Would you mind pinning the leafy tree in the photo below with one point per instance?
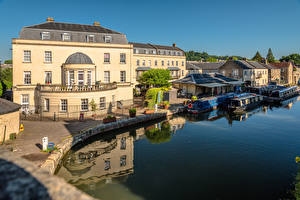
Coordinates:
(1, 89)
(203, 56)
(295, 58)
(8, 62)
(6, 77)
(152, 96)
(211, 60)
(257, 57)
(156, 78)
(270, 56)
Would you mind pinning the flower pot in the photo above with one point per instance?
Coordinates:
(109, 120)
(149, 112)
(132, 114)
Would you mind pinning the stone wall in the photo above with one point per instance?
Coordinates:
(21, 179)
(54, 159)
(9, 123)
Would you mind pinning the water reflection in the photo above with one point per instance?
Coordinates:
(104, 166)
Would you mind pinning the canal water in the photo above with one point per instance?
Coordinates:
(208, 156)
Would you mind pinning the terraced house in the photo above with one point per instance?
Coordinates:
(61, 68)
(150, 56)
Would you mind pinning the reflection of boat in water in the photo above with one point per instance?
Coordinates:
(243, 102)
(289, 102)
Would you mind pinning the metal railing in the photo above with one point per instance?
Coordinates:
(78, 88)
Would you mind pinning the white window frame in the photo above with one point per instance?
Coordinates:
(84, 106)
(89, 78)
(27, 56)
(137, 62)
(106, 76)
(25, 104)
(102, 104)
(27, 80)
(123, 58)
(107, 39)
(107, 59)
(63, 105)
(149, 63)
(48, 57)
(71, 77)
(155, 63)
(46, 105)
(66, 37)
(80, 81)
(45, 35)
(90, 38)
(48, 77)
(144, 62)
(122, 76)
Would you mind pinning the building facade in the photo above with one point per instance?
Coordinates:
(62, 68)
(68, 69)
(250, 72)
(149, 56)
(286, 72)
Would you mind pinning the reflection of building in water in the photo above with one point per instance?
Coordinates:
(100, 160)
(177, 123)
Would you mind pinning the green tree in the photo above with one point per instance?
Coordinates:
(257, 57)
(156, 78)
(8, 62)
(295, 58)
(1, 89)
(270, 56)
(6, 77)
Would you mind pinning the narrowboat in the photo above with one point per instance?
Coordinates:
(243, 102)
(281, 94)
(208, 104)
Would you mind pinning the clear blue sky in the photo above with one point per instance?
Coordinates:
(220, 27)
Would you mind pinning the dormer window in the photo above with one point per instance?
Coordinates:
(66, 37)
(145, 51)
(107, 39)
(45, 36)
(90, 38)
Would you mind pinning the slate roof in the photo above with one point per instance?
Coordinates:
(249, 64)
(174, 68)
(208, 66)
(208, 80)
(281, 64)
(79, 58)
(8, 106)
(153, 46)
(72, 27)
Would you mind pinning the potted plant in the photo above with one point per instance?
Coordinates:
(132, 112)
(166, 104)
(109, 119)
(194, 98)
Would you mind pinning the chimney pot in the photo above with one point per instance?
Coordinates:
(96, 23)
(174, 44)
(51, 19)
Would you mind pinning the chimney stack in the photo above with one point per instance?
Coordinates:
(96, 23)
(174, 44)
(50, 19)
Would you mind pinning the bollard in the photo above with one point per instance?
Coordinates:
(45, 143)
(54, 116)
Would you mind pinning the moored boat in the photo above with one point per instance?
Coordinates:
(276, 96)
(243, 102)
(208, 104)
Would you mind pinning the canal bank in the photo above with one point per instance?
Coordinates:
(66, 144)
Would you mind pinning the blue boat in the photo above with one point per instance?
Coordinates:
(208, 104)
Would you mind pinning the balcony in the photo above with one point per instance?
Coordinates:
(78, 88)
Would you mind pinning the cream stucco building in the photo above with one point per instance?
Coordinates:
(150, 56)
(63, 68)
